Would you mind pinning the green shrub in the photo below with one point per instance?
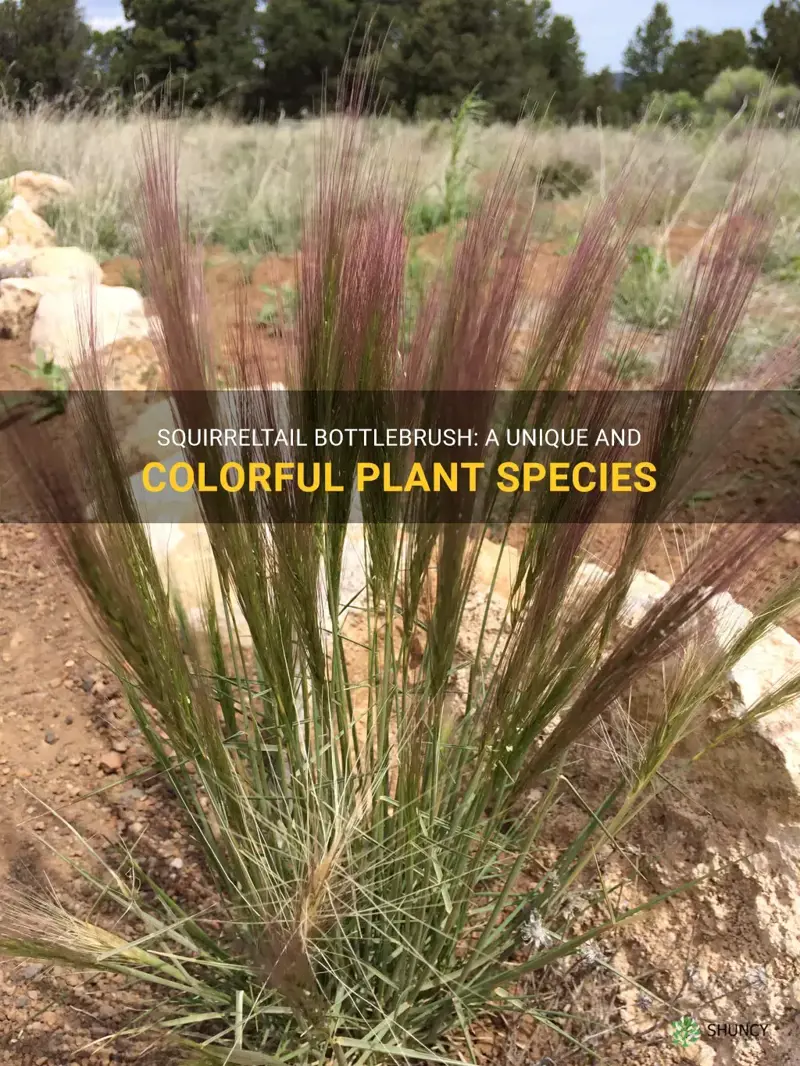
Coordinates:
(784, 103)
(101, 228)
(256, 233)
(733, 90)
(782, 261)
(561, 179)
(678, 109)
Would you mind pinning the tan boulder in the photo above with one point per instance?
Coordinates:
(141, 424)
(40, 189)
(15, 260)
(19, 299)
(496, 564)
(139, 442)
(751, 781)
(62, 321)
(185, 560)
(131, 365)
(66, 263)
(24, 226)
(182, 549)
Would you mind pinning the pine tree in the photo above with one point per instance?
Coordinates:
(564, 64)
(304, 44)
(700, 56)
(647, 53)
(601, 99)
(449, 48)
(43, 45)
(776, 45)
(106, 59)
(308, 46)
(433, 53)
(210, 43)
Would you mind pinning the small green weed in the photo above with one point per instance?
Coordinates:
(418, 274)
(648, 294)
(426, 216)
(456, 199)
(53, 382)
(278, 309)
(569, 244)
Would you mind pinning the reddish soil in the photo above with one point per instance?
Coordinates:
(66, 736)
(683, 240)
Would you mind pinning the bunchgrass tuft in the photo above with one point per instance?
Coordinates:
(374, 804)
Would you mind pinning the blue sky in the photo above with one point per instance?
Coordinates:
(604, 27)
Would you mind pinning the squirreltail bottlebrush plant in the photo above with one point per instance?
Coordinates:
(372, 803)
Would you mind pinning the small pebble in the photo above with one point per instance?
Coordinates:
(50, 737)
(111, 762)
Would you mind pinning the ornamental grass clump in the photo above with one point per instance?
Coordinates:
(373, 805)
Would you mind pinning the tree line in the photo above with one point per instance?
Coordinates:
(283, 57)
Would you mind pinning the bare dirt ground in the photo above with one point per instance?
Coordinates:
(69, 753)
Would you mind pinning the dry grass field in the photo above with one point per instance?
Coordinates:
(244, 186)
(243, 182)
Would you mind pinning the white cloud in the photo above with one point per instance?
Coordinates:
(106, 22)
